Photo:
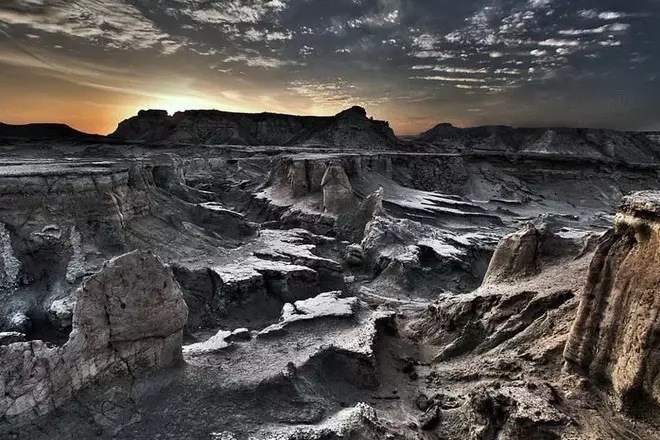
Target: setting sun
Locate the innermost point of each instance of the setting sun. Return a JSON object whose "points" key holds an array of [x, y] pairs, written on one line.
{"points": [[181, 103]]}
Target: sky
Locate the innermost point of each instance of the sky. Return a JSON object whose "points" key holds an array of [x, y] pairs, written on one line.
{"points": [[415, 63]]}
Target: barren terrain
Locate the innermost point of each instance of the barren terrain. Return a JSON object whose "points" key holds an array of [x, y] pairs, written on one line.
{"points": [[227, 277]]}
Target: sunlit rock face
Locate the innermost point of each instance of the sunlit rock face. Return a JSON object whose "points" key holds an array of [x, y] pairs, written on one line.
{"points": [[128, 319], [614, 337]]}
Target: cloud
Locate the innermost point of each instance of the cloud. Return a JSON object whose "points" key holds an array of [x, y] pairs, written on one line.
{"points": [[553, 42], [229, 11], [337, 93], [112, 23], [332, 52], [254, 34], [375, 20], [606, 15], [450, 79], [539, 3], [256, 60], [615, 27]]}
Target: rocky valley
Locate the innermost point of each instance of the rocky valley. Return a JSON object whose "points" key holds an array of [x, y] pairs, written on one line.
{"points": [[225, 276]]}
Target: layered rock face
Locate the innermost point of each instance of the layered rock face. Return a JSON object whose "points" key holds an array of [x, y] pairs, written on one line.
{"points": [[128, 319], [63, 220], [532, 278], [348, 129], [615, 335]]}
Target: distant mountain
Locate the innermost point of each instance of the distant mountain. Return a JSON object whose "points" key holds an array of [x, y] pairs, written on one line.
{"points": [[348, 129], [630, 147], [42, 131]]}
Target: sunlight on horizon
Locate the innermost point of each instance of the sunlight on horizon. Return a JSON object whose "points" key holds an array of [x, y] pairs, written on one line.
{"points": [[175, 104]]}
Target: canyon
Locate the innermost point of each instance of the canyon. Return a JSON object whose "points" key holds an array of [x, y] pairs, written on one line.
{"points": [[225, 276]]}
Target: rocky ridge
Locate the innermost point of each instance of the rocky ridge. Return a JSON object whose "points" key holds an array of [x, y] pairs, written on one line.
{"points": [[631, 147], [346, 130], [43, 131]]}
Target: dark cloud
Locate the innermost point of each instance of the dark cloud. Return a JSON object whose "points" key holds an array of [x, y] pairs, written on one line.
{"points": [[536, 62]]}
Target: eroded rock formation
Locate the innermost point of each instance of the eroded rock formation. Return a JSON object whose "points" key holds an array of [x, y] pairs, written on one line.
{"points": [[523, 253], [128, 319], [337, 190], [615, 335], [562, 142]]}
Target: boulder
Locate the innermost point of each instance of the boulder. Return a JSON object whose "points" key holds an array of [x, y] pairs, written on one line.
{"points": [[354, 254], [18, 322], [351, 224], [325, 305], [515, 256], [60, 313], [218, 342]]}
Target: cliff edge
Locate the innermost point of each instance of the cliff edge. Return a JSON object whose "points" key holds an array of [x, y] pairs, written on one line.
{"points": [[615, 338]]}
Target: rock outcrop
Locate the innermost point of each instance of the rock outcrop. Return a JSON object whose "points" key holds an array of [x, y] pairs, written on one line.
{"points": [[337, 190], [62, 220], [325, 305], [408, 256], [522, 254], [615, 335], [527, 295], [128, 319]]}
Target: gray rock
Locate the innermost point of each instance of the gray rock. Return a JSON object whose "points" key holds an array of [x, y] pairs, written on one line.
{"points": [[240, 334], [430, 419], [348, 129], [60, 313], [354, 255], [7, 338], [128, 319], [218, 342], [337, 190], [325, 305], [19, 322]]}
